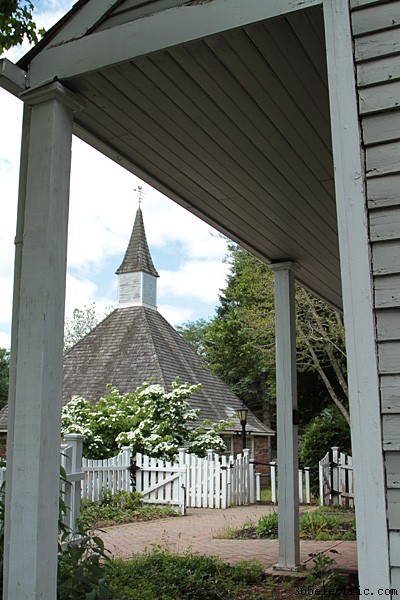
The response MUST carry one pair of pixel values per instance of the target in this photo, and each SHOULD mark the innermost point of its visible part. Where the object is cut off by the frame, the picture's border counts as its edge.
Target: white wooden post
(286, 400)
(307, 478)
(366, 427)
(335, 476)
(258, 487)
(273, 482)
(321, 483)
(35, 401)
(75, 477)
(182, 481)
(301, 486)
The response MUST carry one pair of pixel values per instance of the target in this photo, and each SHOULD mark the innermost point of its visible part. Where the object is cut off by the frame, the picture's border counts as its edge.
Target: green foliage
(122, 507)
(194, 332)
(324, 577)
(168, 576)
(4, 376)
(316, 525)
(81, 563)
(151, 420)
(267, 526)
(16, 23)
(82, 322)
(324, 431)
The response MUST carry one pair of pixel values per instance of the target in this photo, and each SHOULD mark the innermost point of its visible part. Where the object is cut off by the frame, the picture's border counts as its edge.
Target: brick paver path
(195, 531)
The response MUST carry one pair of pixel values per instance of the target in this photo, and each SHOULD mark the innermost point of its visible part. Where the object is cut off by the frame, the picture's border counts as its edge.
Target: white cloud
(174, 315)
(200, 279)
(5, 340)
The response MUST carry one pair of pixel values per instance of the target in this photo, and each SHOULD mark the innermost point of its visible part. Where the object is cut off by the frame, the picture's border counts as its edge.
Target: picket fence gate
(110, 473)
(336, 480)
(71, 486)
(211, 482)
(304, 484)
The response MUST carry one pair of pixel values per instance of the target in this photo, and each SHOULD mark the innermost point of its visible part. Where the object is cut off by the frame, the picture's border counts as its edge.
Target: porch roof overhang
(221, 105)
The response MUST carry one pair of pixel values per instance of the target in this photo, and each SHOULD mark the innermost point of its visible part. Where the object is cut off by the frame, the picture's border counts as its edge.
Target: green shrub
(327, 430)
(268, 526)
(168, 576)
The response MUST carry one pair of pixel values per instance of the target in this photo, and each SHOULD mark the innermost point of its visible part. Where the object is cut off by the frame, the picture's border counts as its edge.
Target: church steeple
(137, 275)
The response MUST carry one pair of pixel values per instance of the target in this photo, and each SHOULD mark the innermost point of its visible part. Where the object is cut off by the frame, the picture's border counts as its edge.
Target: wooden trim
(366, 426)
(162, 30)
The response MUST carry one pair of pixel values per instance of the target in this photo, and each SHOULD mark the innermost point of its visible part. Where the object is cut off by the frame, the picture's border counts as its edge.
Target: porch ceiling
(236, 128)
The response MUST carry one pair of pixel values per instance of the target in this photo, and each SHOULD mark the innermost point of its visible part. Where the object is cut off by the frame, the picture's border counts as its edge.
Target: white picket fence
(304, 484)
(71, 461)
(336, 481)
(211, 482)
(112, 473)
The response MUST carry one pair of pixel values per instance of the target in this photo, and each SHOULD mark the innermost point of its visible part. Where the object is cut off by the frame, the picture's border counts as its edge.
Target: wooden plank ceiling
(236, 128)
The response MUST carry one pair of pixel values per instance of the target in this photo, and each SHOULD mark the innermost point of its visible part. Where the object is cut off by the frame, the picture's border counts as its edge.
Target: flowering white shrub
(151, 420)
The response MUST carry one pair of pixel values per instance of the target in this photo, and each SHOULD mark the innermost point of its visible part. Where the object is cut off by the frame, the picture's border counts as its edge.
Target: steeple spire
(137, 275)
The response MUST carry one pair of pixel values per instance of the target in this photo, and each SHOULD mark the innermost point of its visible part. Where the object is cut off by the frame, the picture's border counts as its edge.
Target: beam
(286, 405)
(156, 32)
(33, 467)
(366, 434)
(12, 78)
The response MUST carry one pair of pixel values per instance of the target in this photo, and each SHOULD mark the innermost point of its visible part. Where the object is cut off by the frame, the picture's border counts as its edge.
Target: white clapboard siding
(110, 473)
(376, 27)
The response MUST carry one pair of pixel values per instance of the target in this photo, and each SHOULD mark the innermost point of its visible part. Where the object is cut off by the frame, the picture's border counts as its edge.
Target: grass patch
(123, 507)
(316, 525)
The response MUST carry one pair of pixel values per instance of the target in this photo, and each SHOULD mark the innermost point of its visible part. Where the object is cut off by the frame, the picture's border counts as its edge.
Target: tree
(239, 343)
(16, 22)
(4, 376)
(194, 333)
(82, 322)
(151, 420)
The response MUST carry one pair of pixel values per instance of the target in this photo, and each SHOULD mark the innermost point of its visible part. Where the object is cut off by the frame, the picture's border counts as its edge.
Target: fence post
(336, 495)
(126, 462)
(307, 478)
(76, 475)
(273, 482)
(321, 483)
(258, 487)
(182, 480)
(301, 486)
(211, 478)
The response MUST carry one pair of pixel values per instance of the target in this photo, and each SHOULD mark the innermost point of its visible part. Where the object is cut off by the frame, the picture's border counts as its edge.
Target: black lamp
(242, 414)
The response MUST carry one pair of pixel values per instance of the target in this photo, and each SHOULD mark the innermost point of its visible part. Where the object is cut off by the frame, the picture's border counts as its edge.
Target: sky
(187, 253)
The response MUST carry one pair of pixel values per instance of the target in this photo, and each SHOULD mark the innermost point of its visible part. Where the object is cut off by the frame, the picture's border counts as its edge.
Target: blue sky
(187, 253)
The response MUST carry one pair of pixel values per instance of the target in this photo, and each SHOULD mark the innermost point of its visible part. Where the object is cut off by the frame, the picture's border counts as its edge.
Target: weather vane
(140, 193)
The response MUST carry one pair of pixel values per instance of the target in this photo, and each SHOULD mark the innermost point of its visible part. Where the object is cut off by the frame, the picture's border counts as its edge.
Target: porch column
(286, 401)
(33, 447)
(356, 271)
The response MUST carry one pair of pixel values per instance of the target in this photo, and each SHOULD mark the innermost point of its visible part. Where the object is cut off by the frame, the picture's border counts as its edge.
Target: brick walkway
(195, 532)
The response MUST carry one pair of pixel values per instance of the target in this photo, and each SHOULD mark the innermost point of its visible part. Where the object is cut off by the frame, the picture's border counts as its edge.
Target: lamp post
(242, 413)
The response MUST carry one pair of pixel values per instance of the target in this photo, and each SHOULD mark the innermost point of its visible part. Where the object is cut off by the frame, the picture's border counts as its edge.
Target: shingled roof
(137, 256)
(134, 345)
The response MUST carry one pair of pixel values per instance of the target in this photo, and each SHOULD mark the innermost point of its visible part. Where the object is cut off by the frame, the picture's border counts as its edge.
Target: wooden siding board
(377, 98)
(377, 44)
(389, 360)
(383, 191)
(391, 432)
(386, 16)
(390, 393)
(385, 258)
(387, 291)
(392, 461)
(385, 224)
(393, 497)
(388, 325)
(356, 4)
(383, 159)
(395, 578)
(380, 128)
(381, 70)
(394, 545)
(131, 11)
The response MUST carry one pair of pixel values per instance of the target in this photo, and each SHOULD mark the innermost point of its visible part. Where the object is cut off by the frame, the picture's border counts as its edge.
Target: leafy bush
(123, 507)
(163, 574)
(268, 526)
(327, 430)
(317, 525)
(151, 420)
